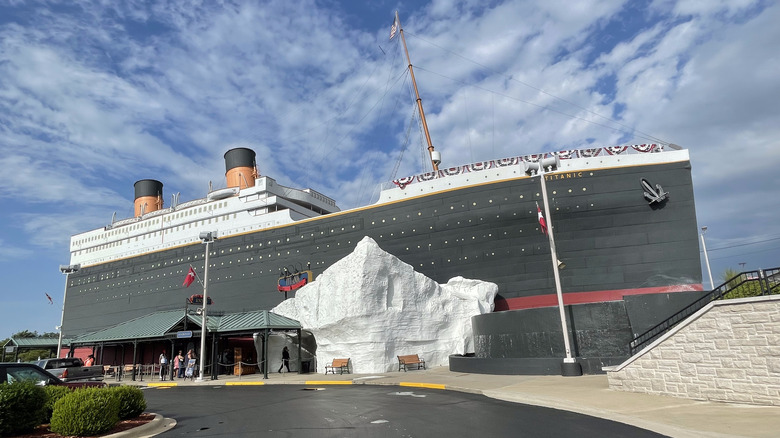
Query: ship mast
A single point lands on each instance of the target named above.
(435, 156)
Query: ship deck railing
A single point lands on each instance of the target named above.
(745, 284)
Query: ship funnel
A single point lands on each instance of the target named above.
(240, 168)
(148, 196)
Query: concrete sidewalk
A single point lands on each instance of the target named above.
(587, 395)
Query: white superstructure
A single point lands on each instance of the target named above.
(232, 211)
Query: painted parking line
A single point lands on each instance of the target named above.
(328, 382)
(244, 383)
(162, 385)
(423, 385)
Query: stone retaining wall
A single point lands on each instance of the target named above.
(729, 351)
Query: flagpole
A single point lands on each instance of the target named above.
(570, 366)
(208, 239)
(434, 160)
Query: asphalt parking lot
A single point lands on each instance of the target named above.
(365, 411)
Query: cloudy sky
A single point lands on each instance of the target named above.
(97, 95)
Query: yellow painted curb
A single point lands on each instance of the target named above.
(244, 383)
(162, 385)
(328, 382)
(423, 385)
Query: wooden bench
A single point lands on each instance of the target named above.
(411, 359)
(340, 364)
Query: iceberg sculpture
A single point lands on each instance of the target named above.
(371, 307)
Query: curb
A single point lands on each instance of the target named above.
(423, 385)
(155, 427)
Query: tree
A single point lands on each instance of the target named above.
(25, 334)
(32, 355)
(742, 286)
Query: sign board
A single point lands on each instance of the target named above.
(198, 299)
(184, 335)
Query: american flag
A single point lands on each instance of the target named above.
(394, 27)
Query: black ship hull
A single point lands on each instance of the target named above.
(617, 248)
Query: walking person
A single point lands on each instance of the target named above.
(285, 360)
(163, 366)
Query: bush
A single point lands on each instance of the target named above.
(131, 401)
(53, 393)
(21, 407)
(86, 411)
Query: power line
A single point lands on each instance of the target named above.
(744, 244)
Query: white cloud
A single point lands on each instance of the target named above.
(90, 102)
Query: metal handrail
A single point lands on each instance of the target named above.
(766, 280)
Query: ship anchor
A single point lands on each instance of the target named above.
(655, 195)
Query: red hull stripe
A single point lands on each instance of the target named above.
(588, 297)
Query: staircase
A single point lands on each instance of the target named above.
(745, 284)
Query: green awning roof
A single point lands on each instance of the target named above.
(154, 325)
(35, 342)
(163, 324)
(247, 321)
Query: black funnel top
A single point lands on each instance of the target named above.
(148, 187)
(239, 157)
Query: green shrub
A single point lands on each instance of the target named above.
(53, 393)
(21, 407)
(131, 401)
(86, 411)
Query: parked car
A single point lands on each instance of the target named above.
(70, 369)
(11, 372)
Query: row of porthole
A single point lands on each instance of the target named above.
(452, 207)
(230, 250)
(278, 254)
(249, 259)
(176, 286)
(343, 229)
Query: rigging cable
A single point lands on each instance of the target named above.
(541, 106)
(631, 130)
(403, 146)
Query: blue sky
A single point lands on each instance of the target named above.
(95, 96)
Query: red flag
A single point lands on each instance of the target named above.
(542, 222)
(50, 300)
(189, 278)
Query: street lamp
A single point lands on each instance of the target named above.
(67, 270)
(570, 367)
(207, 237)
(706, 257)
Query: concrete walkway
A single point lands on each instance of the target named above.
(589, 395)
